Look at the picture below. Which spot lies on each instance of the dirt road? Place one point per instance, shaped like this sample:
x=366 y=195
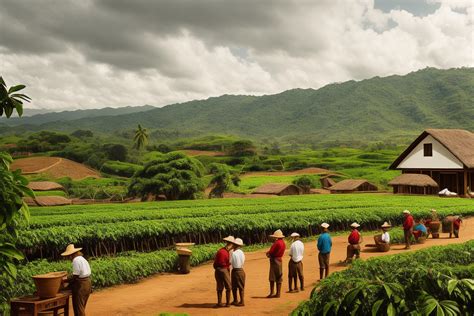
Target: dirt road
x=194 y=293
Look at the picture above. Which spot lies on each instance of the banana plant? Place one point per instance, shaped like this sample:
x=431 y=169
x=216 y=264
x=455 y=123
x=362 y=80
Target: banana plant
x=11 y=100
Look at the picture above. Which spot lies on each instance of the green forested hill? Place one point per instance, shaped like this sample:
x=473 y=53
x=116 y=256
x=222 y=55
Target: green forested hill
x=374 y=109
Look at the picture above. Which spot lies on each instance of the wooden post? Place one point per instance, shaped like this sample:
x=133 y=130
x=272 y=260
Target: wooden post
x=465 y=182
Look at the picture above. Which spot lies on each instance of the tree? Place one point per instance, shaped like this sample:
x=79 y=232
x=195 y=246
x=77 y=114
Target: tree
x=13 y=187
x=116 y=152
x=11 y=100
x=242 y=148
x=223 y=178
x=305 y=182
x=174 y=175
x=82 y=133
x=141 y=137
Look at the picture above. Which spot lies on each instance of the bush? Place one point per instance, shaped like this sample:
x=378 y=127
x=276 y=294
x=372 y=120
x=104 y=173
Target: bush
x=306 y=183
x=123 y=169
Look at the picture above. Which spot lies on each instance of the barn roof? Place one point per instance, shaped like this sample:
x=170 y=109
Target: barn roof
x=414 y=179
x=273 y=188
x=44 y=186
x=348 y=185
x=458 y=141
x=47 y=201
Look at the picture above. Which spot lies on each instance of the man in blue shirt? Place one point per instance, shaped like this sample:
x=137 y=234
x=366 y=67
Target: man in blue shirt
x=324 y=247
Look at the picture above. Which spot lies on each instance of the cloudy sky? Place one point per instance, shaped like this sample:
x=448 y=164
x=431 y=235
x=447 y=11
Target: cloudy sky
x=97 y=53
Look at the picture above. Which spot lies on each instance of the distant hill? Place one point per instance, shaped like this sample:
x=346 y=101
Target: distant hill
x=44 y=116
x=374 y=109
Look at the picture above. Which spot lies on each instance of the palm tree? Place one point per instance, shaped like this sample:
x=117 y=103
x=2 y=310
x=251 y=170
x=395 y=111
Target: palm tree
x=141 y=137
x=9 y=100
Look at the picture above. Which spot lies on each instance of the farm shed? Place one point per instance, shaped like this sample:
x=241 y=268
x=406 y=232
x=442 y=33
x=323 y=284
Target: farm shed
x=414 y=183
x=45 y=186
x=353 y=185
x=327 y=182
x=446 y=155
x=278 y=189
x=47 y=201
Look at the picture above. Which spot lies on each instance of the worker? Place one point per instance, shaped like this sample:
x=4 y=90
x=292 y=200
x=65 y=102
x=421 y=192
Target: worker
x=80 y=281
x=407 y=227
x=456 y=226
x=275 y=255
x=383 y=238
x=324 y=247
x=420 y=229
x=222 y=271
x=295 y=264
x=354 y=240
x=237 y=276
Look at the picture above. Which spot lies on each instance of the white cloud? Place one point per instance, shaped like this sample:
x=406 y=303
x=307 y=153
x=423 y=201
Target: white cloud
x=106 y=53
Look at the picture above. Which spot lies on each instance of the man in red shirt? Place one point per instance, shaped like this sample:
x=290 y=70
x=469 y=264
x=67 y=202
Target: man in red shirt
x=276 y=267
x=407 y=227
x=222 y=272
x=354 y=243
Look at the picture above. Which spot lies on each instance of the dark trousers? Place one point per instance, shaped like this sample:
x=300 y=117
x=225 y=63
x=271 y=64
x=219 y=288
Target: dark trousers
x=81 y=289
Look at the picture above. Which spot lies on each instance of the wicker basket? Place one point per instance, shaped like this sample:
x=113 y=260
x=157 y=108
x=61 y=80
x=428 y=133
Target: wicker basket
x=47 y=285
x=383 y=247
x=448 y=224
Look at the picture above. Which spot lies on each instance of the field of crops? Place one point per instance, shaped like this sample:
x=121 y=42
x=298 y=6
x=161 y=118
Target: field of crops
x=433 y=281
x=113 y=228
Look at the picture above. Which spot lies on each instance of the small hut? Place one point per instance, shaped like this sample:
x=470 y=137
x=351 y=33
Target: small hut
x=327 y=182
x=278 y=189
x=45 y=186
x=353 y=185
x=414 y=183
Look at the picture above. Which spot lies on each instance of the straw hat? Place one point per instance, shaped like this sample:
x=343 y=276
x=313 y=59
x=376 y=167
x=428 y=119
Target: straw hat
x=324 y=225
x=238 y=242
x=230 y=239
x=295 y=235
x=386 y=225
x=406 y=212
x=355 y=225
x=70 y=250
x=278 y=234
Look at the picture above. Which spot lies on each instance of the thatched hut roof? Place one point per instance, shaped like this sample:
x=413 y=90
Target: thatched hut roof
x=458 y=141
x=44 y=186
x=327 y=182
x=273 y=188
x=414 y=179
x=47 y=201
x=349 y=185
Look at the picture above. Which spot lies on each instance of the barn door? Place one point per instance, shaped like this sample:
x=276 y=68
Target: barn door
x=449 y=181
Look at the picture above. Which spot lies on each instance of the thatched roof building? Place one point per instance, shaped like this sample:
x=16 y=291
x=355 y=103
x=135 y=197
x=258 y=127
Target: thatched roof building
x=47 y=201
x=353 y=185
x=327 y=182
x=278 y=189
x=414 y=183
x=445 y=155
x=45 y=186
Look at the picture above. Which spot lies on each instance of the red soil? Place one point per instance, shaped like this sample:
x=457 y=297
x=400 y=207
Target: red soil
x=195 y=294
x=54 y=167
x=192 y=152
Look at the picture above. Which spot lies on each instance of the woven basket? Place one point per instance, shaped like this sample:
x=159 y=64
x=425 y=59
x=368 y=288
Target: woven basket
x=47 y=285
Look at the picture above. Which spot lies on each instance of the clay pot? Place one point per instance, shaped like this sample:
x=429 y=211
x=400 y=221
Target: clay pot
x=47 y=285
x=434 y=226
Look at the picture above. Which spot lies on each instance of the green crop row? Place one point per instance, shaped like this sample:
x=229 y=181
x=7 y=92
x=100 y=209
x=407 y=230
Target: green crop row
x=147 y=235
x=399 y=284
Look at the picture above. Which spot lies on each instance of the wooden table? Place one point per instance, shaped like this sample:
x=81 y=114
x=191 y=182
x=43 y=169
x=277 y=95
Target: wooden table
x=33 y=305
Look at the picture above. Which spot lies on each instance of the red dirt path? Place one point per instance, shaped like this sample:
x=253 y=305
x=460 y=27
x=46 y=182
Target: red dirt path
x=194 y=293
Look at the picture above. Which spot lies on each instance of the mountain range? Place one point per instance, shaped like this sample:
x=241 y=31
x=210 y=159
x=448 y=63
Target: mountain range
x=373 y=109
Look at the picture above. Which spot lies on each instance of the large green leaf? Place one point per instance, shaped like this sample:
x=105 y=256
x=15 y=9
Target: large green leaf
x=16 y=88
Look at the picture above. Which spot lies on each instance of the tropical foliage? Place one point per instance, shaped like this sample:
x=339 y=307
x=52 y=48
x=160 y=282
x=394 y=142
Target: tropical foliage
x=223 y=178
x=141 y=137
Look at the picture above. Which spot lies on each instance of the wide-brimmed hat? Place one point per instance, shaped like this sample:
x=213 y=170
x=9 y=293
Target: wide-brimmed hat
x=386 y=225
x=230 y=239
x=294 y=235
x=324 y=225
x=406 y=212
x=238 y=242
x=278 y=234
x=355 y=225
x=70 y=249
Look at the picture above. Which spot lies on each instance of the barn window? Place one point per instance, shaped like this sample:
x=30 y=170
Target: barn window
x=428 y=150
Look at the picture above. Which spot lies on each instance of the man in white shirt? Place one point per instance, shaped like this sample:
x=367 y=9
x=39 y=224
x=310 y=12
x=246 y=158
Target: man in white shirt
x=295 y=265
x=383 y=240
x=79 y=282
x=237 y=260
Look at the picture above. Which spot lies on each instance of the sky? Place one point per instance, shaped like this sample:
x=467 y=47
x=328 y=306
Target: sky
x=96 y=53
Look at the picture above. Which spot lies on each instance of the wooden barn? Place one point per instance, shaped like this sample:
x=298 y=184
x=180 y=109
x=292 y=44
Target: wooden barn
x=414 y=183
x=353 y=185
x=327 y=182
x=445 y=155
x=278 y=189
